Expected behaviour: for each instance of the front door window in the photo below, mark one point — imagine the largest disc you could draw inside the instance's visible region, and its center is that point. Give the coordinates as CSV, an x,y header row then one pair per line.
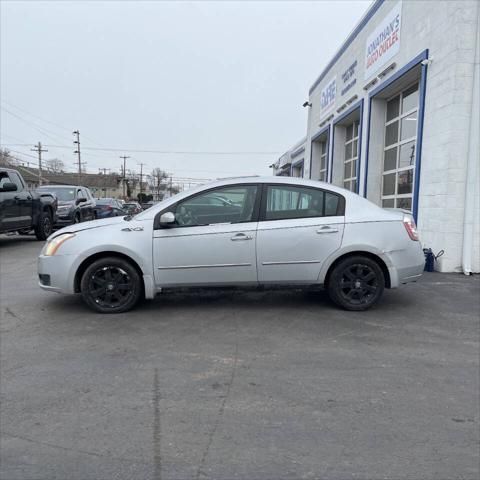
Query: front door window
x,y
223,205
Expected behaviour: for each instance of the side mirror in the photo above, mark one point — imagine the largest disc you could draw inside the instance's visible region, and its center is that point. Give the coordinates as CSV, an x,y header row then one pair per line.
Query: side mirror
x,y
8,187
167,219
81,200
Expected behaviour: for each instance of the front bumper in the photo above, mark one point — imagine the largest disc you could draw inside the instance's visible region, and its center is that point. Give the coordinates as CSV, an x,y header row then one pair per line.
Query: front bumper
x,y
63,220
57,272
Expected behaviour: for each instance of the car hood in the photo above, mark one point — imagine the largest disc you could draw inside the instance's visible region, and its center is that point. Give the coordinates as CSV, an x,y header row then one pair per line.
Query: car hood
x,y
78,227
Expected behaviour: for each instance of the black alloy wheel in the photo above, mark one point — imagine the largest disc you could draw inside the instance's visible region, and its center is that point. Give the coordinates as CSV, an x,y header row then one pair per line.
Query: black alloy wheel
x,y
111,285
44,226
356,283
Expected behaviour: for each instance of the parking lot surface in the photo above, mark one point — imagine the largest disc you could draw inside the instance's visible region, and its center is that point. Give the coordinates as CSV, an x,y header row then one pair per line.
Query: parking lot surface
x,y
258,385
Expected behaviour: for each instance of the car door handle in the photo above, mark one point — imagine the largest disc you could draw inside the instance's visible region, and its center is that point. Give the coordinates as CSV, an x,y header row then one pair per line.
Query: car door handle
x,y
240,236
327,230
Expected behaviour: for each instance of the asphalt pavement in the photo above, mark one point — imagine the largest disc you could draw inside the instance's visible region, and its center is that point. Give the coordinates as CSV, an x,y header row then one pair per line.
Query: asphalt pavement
x,y
233,385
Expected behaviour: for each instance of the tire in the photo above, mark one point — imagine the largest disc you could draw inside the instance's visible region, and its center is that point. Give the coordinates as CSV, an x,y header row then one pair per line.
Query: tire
x,y
356,283
111,285
44,226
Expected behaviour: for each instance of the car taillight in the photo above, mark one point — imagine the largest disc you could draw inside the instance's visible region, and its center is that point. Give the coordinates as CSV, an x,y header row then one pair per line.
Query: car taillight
x,y
411,228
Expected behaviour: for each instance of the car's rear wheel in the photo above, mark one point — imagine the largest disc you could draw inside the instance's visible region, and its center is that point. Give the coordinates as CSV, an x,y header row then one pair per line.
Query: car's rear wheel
x,y
356,283
44,226
111,285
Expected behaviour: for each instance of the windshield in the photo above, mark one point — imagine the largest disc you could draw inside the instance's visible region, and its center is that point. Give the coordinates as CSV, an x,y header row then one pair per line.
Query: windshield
x,y
63,194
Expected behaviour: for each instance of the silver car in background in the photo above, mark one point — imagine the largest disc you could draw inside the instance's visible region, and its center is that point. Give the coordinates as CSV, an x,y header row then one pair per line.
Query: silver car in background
x,y
238,232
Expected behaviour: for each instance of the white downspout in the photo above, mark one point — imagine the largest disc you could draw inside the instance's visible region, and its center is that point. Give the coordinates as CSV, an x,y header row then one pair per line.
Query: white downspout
x,y
473,160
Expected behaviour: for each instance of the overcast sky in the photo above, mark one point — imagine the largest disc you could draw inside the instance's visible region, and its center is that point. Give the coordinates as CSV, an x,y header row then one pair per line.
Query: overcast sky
x,y
166,76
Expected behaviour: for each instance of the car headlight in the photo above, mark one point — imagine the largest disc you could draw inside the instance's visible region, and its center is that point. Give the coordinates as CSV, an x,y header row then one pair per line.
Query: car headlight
x,y
54,244
64,209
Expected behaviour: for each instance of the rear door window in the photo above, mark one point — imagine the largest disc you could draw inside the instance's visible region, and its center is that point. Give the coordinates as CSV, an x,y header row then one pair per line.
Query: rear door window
x,y
288,201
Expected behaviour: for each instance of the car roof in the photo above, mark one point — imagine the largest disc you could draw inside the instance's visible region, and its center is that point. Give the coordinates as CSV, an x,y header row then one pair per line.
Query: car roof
x,y
364,209
62,186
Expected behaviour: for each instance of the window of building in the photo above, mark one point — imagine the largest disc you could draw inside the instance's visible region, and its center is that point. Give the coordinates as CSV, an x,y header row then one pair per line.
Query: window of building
x,y
319,156
399,149
351,157
297,169
287,202
323,162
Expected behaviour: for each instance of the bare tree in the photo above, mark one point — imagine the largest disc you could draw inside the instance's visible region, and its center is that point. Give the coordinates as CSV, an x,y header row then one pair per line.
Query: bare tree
x,y
55,165
5,158
158,182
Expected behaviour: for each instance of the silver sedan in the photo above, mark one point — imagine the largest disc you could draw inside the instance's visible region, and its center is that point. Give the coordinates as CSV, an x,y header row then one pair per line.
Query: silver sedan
x,y
240,232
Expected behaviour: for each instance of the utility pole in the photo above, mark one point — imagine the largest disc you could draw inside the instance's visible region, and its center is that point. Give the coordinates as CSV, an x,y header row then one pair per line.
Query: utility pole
x,y
124,172
38,148
77,151
141,177
105,170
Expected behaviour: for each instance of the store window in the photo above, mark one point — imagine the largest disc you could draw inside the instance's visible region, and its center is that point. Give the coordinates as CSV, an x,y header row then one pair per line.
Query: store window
x,y
399,149
297,169
323,161
351,157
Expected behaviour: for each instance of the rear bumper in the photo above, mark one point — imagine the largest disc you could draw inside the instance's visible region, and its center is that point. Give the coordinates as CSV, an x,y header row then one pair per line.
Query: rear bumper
x,y
407,265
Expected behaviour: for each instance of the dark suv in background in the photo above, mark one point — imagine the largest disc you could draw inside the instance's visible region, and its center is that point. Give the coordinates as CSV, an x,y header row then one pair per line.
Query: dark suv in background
x,y
75,203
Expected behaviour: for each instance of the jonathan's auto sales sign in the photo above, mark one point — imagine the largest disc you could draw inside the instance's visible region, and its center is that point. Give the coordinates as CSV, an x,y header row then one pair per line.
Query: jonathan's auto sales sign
x,y
384,42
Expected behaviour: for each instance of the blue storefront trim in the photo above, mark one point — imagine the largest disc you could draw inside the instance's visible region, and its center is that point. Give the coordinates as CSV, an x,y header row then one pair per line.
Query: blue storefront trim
x,y
314,137
421,111
418,157
356,106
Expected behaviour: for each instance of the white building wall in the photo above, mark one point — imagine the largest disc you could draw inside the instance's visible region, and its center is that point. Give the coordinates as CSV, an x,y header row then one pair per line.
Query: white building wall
x,y
448,29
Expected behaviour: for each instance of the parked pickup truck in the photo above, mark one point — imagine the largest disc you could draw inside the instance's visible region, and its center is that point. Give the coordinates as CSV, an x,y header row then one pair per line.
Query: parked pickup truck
x,y
22,209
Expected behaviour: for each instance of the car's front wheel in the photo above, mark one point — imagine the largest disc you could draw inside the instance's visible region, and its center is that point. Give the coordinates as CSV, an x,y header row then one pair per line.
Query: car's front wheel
x,y
111,285
356,283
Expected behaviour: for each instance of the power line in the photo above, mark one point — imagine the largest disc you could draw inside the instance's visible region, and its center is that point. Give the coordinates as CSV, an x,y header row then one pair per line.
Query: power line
x,y
48,121
42,130
169,152
36,116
